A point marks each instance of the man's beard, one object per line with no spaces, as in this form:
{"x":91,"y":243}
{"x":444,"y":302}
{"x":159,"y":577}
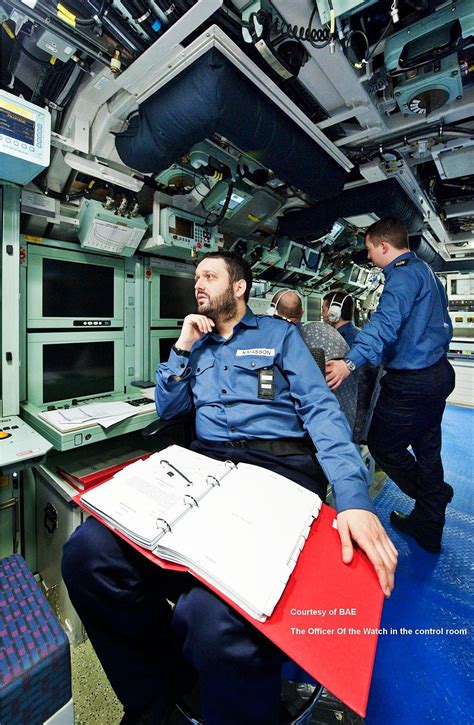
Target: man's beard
{"x":223,"y":307}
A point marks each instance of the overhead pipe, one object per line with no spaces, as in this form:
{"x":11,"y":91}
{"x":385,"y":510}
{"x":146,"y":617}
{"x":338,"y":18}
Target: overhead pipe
{"x":385,"y":198}
{"x":213,"y":96}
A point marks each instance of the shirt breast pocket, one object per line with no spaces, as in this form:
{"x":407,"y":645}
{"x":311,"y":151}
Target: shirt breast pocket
{"x":202,"y":379}
{"x":255,"y":377}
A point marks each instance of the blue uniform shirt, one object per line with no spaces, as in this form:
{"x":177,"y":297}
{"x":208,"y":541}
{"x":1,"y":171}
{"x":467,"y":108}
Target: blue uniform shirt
{"x":410,"y":328}
{"x":349,"y":332}
{"x":220,"y":380}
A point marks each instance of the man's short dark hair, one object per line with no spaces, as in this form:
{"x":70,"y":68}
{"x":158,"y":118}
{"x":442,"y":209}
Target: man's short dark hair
{"x":237,"y":267}
{"x":339,"y":296}
{"x":391,"y":230}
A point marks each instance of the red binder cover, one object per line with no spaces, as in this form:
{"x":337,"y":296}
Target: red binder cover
{"x":336,"y":643}
{"x":89,"y":480}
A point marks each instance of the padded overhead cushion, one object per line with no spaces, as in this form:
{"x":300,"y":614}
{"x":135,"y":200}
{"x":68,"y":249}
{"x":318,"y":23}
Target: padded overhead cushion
{"x":385,"y":198}
{"x":212,"y":96}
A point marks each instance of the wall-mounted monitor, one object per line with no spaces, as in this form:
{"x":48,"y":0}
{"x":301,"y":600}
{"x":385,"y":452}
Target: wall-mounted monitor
{"x":172,"y":298}
{"x":66,"y":366}
{"x":161,"y":342}
{"x":72,"y":290}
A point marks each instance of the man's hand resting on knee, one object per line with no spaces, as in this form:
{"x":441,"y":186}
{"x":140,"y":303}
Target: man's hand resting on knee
{"x":364,"y":529}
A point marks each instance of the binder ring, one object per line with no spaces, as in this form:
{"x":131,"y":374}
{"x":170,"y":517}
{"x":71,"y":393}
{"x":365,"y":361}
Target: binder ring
{"x":195,"y":503}
{"x":213,"y":480}
{"x":166,"y":526}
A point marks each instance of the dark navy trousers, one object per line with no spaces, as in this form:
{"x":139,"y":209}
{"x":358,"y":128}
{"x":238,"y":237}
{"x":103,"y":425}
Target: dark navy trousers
{"x":408,"y":413}
{"x":151,"y":651}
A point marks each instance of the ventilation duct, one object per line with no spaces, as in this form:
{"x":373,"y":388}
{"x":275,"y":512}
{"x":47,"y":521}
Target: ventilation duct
{"x":385,"y":198}
{"x":212,"y":96}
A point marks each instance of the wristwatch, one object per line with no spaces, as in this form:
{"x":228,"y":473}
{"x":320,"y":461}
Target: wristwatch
{"x":350,"y":364}
{"x":180,"y":351}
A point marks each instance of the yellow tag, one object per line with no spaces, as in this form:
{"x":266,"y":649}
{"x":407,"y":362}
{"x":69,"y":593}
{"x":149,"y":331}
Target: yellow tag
{"x":253,"y":218}
{"x":65,"y":15}
{"x":35,"y":240}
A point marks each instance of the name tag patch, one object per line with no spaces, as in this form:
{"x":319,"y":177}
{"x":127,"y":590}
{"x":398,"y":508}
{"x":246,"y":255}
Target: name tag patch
{"x":260,"y":351}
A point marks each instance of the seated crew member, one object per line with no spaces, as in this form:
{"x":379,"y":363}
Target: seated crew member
{"x":216,"y":368}
{"x":320,"y":335}
{"x":410,"y":333}
{"x":338,"y":311}
{"x":287,"y":304}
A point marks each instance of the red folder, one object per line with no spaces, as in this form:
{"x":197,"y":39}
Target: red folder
{"x":336,"y":648}
{"x":85,"y":481}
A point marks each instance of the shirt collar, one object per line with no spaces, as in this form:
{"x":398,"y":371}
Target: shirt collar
{"x":248,"y":320}
{"x":405,"y":255}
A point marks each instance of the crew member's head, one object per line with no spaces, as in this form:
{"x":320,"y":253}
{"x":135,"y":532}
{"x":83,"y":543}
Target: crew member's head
{"x":287,"y":304}
{"x":338,"y":308}
{"x":223,"y":282}
{"x":385,"y":240}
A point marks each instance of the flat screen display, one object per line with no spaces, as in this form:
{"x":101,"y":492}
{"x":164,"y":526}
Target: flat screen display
{"x":166,"y":343}
{"x":71,"y":289}
{"x":77,"y":369}
{"x":184,"y":227}
{"x":176,"y":297}
{"x":16,"y":126}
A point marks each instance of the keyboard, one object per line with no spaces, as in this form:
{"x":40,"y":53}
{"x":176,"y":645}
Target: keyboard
{"x":141,"y":401}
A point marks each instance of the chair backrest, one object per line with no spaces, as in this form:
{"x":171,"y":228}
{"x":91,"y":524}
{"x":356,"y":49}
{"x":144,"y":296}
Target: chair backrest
{"x":319,"y":357}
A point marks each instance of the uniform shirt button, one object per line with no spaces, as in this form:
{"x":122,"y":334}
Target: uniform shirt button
{"x":223,"y":391}
{"x":253,"y":364}
{"x":232,"y":430}
{"x":198,"y":370}
{"x":225,"y":367}
{"x":182,"y":365}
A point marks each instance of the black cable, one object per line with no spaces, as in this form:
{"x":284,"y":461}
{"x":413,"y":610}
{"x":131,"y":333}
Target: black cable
{"x":294,"y":32}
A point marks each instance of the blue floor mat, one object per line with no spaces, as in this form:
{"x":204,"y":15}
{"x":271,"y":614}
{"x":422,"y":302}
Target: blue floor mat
{"x":428,"y":677}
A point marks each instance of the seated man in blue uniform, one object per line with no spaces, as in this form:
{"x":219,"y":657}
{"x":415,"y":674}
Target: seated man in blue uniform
{"x":338,"y":310}
{"x":409,"y":333}
{"x":260,"y":398}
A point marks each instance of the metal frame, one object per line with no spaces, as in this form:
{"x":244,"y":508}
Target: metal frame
{"x":10,"y":278}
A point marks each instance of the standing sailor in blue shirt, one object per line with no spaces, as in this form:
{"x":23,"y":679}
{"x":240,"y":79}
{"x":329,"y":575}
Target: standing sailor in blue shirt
{"x":259,"y":398}
{"x":410,"y":333}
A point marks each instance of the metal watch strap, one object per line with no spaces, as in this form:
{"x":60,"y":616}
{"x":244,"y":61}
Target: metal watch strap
{"x":351,"y":366}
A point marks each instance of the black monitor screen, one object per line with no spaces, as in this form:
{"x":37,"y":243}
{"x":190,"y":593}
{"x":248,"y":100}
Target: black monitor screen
{"x":77,"y":290}
{"x":77,"y":369}
{"x":176,"y":297}
{"x":166,"y":344}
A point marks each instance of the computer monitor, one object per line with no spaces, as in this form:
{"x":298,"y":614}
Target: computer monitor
{"x":71,"y":290}
{"x":172,"y":298}
{"x":66,"y":366}
{"x":161,"y":342}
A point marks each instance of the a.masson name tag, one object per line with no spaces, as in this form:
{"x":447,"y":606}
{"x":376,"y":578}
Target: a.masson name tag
{"x":258,"y":351}
{"x":266,"y":383}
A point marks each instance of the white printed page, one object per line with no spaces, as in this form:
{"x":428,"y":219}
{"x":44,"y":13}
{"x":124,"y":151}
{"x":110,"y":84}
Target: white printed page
{"x":147,"y":497}
{"x":245,"y":538}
